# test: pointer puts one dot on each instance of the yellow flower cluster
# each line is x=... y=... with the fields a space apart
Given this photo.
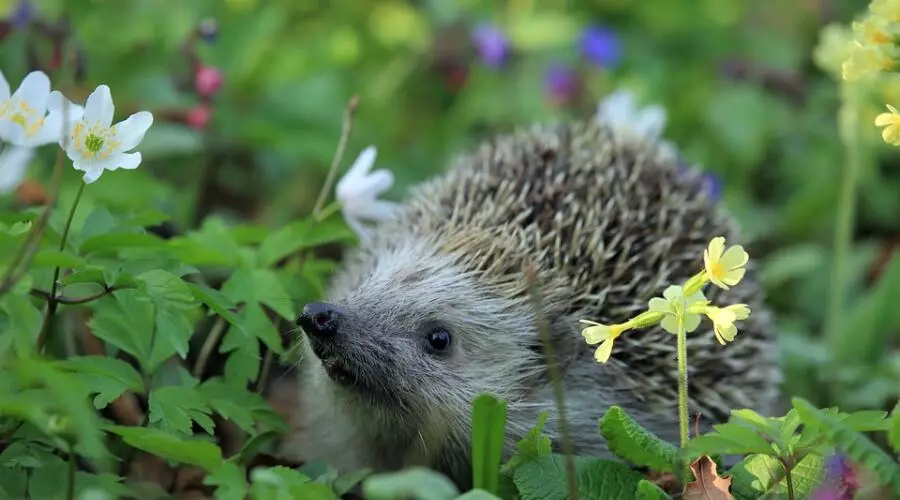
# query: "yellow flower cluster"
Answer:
x=874 y=48
x=683 y=305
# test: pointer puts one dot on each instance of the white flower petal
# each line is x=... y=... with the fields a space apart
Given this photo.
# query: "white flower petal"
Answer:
x=51 y=132
x=650 y=122
x=617 y=108
x=378 y=210
x=14 y=163
x=356 y=226
x=99 y=107
x=130 y=131
x=4 y=87
x=34 y=89
x=366 y=187
x=91 y=175
x=363 y=162
x=58 y=103
x=127 y=161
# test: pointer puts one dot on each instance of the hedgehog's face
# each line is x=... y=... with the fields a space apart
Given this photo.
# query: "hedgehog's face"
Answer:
x=410 y=330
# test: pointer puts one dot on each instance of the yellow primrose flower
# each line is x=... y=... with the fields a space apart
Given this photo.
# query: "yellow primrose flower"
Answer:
x=891 y=123
x=874 y=30
x=604 y=335
x=675 y=304
x=866 y=60
x=723 y=323
x=885 y=9
x=725 y=268
x=834 y=47
x=740 y=311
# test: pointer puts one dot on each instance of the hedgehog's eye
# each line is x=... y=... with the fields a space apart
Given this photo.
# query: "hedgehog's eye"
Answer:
x=438 y=339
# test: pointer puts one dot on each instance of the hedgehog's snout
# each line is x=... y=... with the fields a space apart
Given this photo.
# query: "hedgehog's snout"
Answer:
x=320 y=320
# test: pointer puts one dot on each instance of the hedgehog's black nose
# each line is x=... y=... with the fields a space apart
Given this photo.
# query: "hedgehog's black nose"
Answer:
x=319 y=319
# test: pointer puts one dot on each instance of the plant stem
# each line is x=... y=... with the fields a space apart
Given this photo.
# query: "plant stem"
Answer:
x=788 y=479
x=52 y=301
x=531 y=277
x=70 y=491
x=338 y=154
x=682 y=383
x=848 y=123
x=77 y=300
x=212 y=340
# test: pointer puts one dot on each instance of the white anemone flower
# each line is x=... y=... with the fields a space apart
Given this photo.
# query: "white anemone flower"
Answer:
x=620 y=111
x=24 y=120
x=358 y=191
x=95 y=144
x=14 y=162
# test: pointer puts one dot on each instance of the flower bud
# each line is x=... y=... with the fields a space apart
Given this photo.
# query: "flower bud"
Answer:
x=207 y=80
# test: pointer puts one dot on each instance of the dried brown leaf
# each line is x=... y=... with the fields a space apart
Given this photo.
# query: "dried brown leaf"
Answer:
x=708 y=485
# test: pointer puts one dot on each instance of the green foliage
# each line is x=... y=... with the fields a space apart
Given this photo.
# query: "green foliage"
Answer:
x=416 y=483
x=628 y=440
x=488 y=432
x=848 y=439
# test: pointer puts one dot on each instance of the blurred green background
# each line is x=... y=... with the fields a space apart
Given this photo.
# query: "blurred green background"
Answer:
x=737 y=77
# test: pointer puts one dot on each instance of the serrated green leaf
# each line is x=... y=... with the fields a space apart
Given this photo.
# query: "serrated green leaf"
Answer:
x=22 y=325
x=108 y=242
x=252 y=446
x=297 y=236
x=233 y=403
x=630 y=441
x=346 y=482
x=203 y=454
x=27 y=454
x=646 y=490
x=243 y=363
x=107 y=377
x=545 y=478
x=413 y=483
x=854 y=444
x=126 y=322
x=533 y=445
x=729 y=438
x=174 y=408
x=866 y=421
x=13 y=483
x=167 y=288
x=230 y=482
x=488 y=428
x=762 y=476
x=217 y=302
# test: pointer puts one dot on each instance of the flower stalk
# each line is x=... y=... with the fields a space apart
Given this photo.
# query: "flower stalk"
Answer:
x=52 y=302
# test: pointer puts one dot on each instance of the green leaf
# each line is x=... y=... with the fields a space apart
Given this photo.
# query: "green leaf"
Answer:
x=413 y=483
x=22 y=327
x=107 y=377
x=243 y=363
x=118 y=241
x=763 y=476
x=253 y=445
x=13 y=483
x=297 y=236
x=854 y=444
x=174 y=408
x=203 y=454
x=235 y=404
x=535 y=444
x=126 y=322
x=866 y=421
x=172 y=298
x=230 y=482
x=646 y=490
x=894 y=431
x=477 y=494
x=57 y=258
x=729 y=438
x=260 y=287
x=628 y=440
x=545 y=479
x=217 y=302
x=164 y=287
x=346 y=482
x=27 y=454
x=488 y=428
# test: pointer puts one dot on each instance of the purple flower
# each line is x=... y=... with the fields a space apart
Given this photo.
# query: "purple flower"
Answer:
x=561 y=83
x=713 y=185
x=840 y=481
x=22 y=14
x=600 y=46
x=491 y=43
x=208 y=29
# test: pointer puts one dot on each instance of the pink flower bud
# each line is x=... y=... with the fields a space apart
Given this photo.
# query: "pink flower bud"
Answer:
x=207 y=80
x=198 y=117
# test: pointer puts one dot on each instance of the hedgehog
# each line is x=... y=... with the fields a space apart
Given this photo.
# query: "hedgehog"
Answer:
x=434 y=307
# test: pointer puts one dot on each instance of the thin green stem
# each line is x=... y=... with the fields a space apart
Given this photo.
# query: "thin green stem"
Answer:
x=52 y=301
x=70 y=481
x=338 y=155
x=212 y=340
x=848 y=122
x=682 y=381
x=788 y=479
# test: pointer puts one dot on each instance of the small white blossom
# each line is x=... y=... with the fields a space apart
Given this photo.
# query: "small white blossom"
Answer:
x=14 y=162
x=24 y=120
x=620 y=111
x=95 y=144
x=358 y=191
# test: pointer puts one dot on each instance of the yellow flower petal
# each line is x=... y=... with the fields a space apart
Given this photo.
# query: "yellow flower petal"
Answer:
x=734 y=258
x=885 y=119
x=740 y=311
x=724 y=333
x=603 y=352
x=596 y=334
